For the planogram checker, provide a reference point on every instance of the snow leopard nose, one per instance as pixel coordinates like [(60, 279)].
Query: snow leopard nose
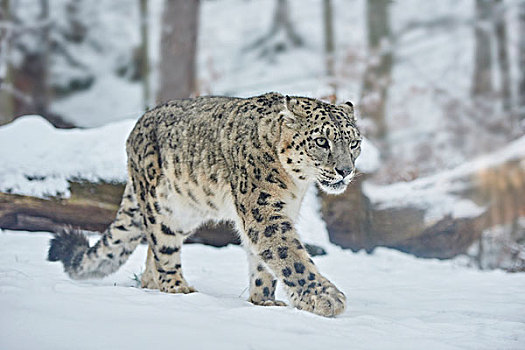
[(345, 171)]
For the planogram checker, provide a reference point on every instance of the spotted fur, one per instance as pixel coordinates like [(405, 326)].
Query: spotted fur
[(219, 158)]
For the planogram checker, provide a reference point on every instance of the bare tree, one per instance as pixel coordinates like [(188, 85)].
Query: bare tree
[(6, 98), (178, 49), (144, 56), (521, 60), (272, 42), (329, 46), (482, 80), (328, 36), (376, 80), (31, 77), (503, 56)]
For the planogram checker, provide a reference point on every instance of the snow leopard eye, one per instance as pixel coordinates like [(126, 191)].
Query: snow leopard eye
[(321, 142), (354, 144)]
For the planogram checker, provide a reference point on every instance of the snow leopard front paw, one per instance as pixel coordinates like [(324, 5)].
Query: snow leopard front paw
[(175, 286), (174, 283), (323, 299)]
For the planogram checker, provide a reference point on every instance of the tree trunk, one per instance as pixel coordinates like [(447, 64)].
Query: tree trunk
[(329, 46), (376, 80), (521, 61), (6, 98), (482, 81), (282, 20), (31, 78), (328, 36), (144, 56), (503, 56), (272, 42), (178, 49)]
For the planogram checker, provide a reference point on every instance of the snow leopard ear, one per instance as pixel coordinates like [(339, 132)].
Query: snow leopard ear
[(292, 111), (348, 108)]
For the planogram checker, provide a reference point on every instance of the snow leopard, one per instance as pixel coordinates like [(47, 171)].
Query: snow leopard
[(245, 160)]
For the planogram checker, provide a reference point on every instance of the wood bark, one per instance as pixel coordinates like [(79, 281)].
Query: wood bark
[(178, 49)]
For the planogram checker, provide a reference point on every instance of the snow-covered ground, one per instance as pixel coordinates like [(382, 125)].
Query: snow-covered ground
[(395, 302)]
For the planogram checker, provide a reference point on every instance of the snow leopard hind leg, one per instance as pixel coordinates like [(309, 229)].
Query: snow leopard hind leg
[(164, 234)]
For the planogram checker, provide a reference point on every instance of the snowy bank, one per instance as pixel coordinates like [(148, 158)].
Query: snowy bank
[(37, 159), (395, 301)]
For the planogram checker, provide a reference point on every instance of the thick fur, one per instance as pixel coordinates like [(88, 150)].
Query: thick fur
[(68, 246), (219, 158)]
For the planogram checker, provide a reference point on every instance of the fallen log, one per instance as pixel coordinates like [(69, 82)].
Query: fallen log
[(91, 206), (352, 219)]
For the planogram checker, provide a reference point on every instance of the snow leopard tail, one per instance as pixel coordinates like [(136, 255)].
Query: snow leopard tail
[(117, 243)]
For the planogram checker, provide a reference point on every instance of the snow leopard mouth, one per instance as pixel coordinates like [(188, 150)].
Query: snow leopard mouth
[(333, 187)]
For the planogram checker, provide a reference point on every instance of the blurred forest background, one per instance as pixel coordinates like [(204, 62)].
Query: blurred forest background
[(439, 84)]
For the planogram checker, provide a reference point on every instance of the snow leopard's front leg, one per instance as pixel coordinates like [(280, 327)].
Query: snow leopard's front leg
[(262, 282), (272, 237), (149, 276)]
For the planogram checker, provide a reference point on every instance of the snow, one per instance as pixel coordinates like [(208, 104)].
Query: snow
[(38, 160), (124, 102), (395, 301)]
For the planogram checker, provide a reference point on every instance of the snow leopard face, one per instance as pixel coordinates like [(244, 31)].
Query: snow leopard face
[(325, 142)]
